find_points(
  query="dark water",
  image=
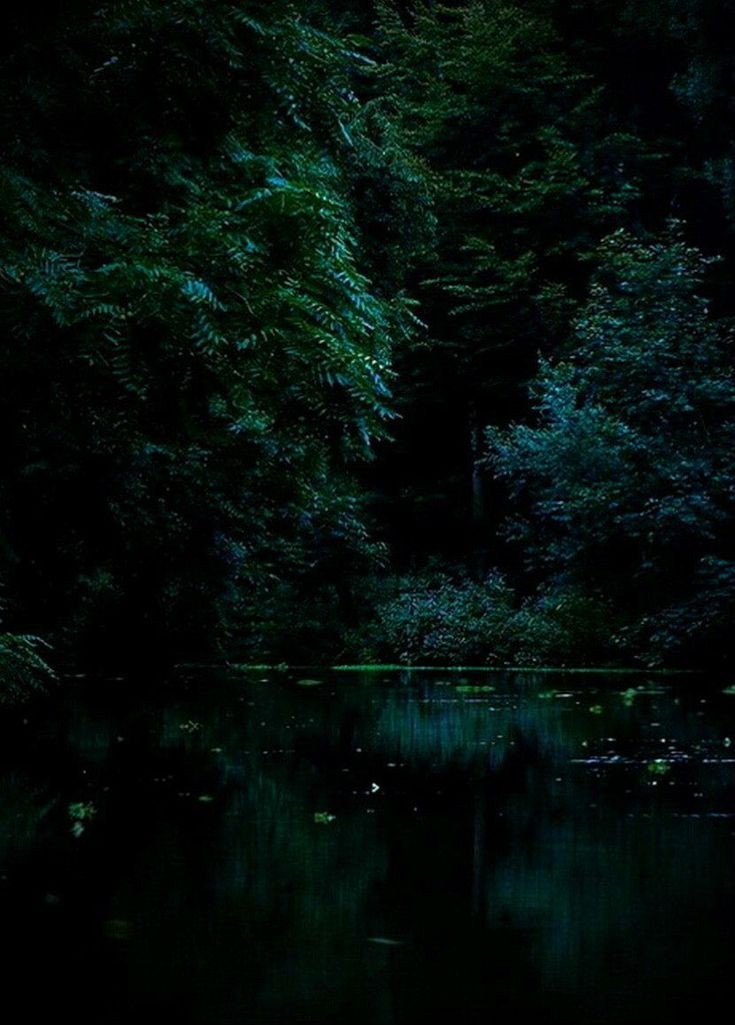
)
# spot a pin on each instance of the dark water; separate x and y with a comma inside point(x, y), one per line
point(377, 848)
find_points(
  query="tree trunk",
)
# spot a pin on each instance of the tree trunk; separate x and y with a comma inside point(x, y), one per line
point(478, 498)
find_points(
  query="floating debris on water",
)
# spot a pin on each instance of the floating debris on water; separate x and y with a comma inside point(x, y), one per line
point(190, 726)
point(323, 818)
point(81, 812)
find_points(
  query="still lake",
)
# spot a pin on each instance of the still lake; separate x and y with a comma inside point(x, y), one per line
point(377, 847)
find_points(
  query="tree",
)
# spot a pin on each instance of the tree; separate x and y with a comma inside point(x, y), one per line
point(626, 481)
point(192, 356)
point(526, 172)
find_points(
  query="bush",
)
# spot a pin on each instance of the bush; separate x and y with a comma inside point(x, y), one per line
point(565, 627)
point(442, 618)
point(436, 618)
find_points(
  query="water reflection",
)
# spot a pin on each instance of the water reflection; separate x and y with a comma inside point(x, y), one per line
point(391, 849)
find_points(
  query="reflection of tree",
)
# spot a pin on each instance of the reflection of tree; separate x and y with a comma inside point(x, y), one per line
point(22, 808)
point(502, 868)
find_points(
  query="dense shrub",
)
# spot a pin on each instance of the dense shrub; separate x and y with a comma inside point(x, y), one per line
point(437, 618)
point(443, 618)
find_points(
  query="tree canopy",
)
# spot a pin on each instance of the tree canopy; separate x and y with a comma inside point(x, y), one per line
point(309, 307)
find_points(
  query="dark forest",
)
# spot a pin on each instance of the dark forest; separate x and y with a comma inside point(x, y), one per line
point(367, 511)
point(367, 332)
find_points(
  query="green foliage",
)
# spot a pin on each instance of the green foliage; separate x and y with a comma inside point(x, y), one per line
point(628, 474)
point(192, 354)
point(525, 169)
point(247, 248)
point(443, 618)
point(437, 618)
point(564, 626)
